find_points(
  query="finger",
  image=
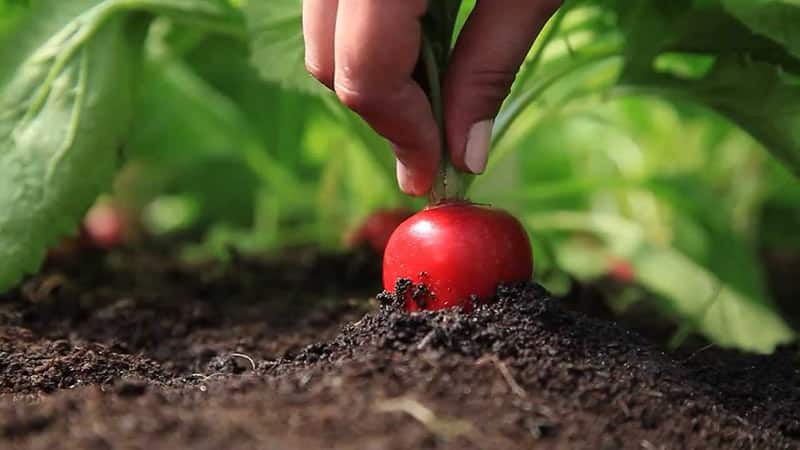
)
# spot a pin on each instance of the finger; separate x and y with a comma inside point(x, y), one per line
point(376, 50)
point(319, 25)
point(485, 60)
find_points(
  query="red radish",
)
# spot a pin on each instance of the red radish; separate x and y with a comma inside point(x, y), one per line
point(103, 227)
point(456, 253)
point(621, 270)
point(377, 228)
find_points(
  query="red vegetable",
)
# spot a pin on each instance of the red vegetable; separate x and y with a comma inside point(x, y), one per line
point(621, 270)
point(103, 227)
point(456, 253)
point(377, 228)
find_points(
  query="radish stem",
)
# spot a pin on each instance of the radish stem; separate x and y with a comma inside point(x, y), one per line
point(449, 183)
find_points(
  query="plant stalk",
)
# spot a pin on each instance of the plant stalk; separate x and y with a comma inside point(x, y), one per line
point(448, 184)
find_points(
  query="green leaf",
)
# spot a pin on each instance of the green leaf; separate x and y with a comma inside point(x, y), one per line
point(775, 19)
point(277, 43)
point(11, 14)
point(730, 256)
point(187, 144)
point(698, 27)
point(716, 309)
point(758, 97)
point(64, 110)
point(720, 312)
point(66, 73)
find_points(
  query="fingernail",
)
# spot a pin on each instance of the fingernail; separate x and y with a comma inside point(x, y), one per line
point(477, 151)
point(407, 181)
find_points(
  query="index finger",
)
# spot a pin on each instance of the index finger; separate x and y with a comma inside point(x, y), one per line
point(376, 50)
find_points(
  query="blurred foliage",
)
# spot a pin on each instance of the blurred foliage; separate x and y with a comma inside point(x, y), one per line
point(267, 167)
point(637, 131)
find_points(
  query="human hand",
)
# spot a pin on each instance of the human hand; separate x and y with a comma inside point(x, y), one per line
point(366, 51)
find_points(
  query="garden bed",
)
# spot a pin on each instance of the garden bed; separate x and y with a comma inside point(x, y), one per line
point(135, 350)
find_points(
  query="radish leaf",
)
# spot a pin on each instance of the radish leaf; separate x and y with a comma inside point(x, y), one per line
point(277, 47)
point(758, 97)
point(64, 110)
point(718, 309)
point(775, 19)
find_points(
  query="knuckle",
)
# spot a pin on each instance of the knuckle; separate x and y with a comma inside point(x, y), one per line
point(362, 100)
point(320, 74)
point(491, 86)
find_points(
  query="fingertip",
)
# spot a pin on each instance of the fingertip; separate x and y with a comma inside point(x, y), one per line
point(323, 75)
point(482, 69)
point(476, 149)
point(408, 182)
point(414, 178)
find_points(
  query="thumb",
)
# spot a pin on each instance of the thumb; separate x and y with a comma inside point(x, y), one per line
point(485, 60)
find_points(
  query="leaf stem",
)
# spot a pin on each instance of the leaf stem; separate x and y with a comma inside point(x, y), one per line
point(433, 74)
point(540, 46)
point(448, 184)
point(515, 107)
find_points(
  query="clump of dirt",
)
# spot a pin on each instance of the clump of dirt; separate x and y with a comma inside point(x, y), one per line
point(558, 359)
point(143, 351)
point(29, 365)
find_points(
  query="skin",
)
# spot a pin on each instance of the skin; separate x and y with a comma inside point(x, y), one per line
point(366, 50)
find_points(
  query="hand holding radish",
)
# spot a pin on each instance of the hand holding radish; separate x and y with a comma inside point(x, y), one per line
point(371, 53)
point(367, 50)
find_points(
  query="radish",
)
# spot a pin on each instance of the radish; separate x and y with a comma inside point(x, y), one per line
point(103, 227)
point(455, 254)
point(621, 270)
point(377, 228)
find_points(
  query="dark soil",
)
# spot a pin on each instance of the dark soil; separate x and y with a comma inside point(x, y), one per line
point(135, 350)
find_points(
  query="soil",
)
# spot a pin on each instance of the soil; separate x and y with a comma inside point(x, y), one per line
point(133, 349)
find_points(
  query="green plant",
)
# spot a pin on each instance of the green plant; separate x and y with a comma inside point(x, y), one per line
point(616, 141)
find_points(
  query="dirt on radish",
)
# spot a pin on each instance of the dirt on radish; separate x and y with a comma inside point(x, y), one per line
point(132, 349)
